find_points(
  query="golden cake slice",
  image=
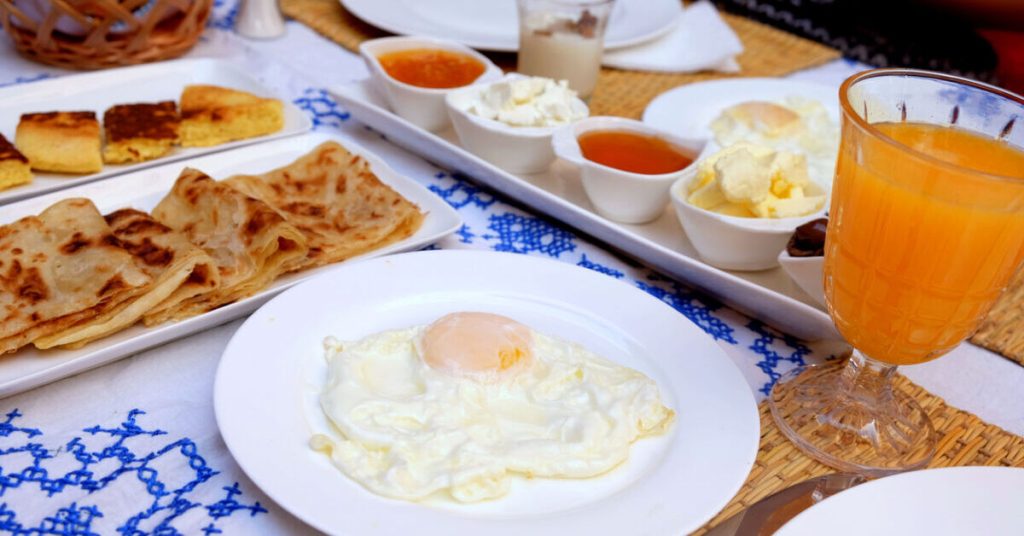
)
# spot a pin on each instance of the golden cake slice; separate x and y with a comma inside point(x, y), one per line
point(211, 115)
point(65, 142)
point(14, 168)
point(138, 132)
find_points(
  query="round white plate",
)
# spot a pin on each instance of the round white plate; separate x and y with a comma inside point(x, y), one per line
point(494, 24)
point(266, 397)
point(687, 111)
point(957, 500)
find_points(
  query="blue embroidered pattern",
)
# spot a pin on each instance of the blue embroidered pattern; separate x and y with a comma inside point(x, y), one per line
point(697, 308)
point(607, 270)
point(524, 234)
point(93, 470)
point(459, 193)
point(26, 79)
point(766, 345)
point(322, 108)
point(225, 12)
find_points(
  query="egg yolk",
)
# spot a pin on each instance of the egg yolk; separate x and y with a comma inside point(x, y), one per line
point(477, 343)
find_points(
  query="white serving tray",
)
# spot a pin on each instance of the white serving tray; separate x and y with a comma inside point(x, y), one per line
point(100, 90)
point(768, 295)
point(29, 367)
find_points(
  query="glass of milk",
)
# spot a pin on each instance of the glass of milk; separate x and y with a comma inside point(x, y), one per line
point(563, 39)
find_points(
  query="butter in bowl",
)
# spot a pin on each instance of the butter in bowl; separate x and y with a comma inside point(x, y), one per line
point(626, 167)
point(509, 123)
point(740, 205)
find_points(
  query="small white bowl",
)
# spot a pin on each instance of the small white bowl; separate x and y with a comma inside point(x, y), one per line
point(514, 149)
point(619, 195)
point(731, 242)
point(807, 272)
point(423, 107)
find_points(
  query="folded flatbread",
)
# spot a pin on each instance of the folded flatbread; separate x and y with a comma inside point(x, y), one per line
point(178, 269)
point(334, 198)
point(249, 242)
point(58, 269)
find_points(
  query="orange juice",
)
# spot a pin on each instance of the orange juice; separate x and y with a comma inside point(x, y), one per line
point(919, 247)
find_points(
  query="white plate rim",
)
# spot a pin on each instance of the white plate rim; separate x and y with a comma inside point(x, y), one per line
point(52, 365)
point(359, 9)
point(237, 363)
point(936, 484)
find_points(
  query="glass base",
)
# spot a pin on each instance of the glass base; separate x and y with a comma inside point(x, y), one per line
point(848, 416)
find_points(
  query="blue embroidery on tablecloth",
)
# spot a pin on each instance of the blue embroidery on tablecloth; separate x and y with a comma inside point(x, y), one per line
point(766, 345)
point(27, 79)
point(225, 12)
point(465, 235)
point(698, 309)
point(323, 110)
point(458, 192)
point(519, 233)
point(94, 469)
point(607, 270)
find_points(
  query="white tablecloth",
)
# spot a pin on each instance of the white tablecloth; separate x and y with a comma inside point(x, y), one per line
point(133, 448)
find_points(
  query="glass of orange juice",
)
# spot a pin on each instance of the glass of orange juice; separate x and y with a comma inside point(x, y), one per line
point(926, 230)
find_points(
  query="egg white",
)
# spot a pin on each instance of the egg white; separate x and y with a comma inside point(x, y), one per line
point(409, 431)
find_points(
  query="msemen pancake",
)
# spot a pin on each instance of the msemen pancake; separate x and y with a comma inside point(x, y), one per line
point(334, 198)
point(60, 268)
point(249, 242)
point(178, 270)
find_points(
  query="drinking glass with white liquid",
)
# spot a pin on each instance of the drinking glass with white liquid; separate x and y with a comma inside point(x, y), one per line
point(563, 40)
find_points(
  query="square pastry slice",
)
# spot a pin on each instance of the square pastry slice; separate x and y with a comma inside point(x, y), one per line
point(14, 168)
point(64, 142)
point(138, 132)
point(211, 115)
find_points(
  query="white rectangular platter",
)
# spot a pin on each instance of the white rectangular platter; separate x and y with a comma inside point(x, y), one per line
point(769, 295)
point(145, 83)
point(29, 367)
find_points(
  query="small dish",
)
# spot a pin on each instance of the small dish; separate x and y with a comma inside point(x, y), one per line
point(806, 272)
point(731, 242)
point(424, 107)
point(621, 195)
point(514, 149)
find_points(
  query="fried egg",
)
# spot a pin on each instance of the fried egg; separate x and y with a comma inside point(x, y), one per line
point(796, 124)
point(466, 404)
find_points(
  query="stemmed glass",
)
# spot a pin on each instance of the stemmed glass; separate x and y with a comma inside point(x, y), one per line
point(926, 229)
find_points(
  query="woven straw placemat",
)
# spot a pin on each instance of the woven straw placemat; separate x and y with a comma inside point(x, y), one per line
point(1002, 331)
point(767, 52)
point(964, 440)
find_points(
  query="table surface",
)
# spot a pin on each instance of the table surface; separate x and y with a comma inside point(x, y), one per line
point(133, 447)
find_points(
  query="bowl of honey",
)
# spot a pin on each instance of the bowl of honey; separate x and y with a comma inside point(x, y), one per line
point(626, 167)
point(416, 73)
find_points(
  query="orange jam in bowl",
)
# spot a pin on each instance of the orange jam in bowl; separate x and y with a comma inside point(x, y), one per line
point(632, 152)
point(432, 68)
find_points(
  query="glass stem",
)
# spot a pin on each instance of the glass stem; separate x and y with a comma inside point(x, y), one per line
point(865, 381)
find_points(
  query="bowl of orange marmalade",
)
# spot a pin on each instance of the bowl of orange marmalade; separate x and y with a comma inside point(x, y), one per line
point(416, 73)
point(626, 167)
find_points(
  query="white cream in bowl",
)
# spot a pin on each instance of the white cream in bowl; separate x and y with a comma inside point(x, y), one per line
point(509, 123)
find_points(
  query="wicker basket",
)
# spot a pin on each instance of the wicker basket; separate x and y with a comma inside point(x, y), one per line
point(95, 34)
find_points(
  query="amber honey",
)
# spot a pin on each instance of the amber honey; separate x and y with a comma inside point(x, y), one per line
point(632, 152)
point(432, 68)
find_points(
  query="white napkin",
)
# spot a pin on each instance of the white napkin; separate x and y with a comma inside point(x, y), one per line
point(700, 41)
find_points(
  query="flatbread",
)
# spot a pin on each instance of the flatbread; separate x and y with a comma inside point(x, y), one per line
point(249, 242)
point(334, 198)
point(60, 268)
point(178, 269)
